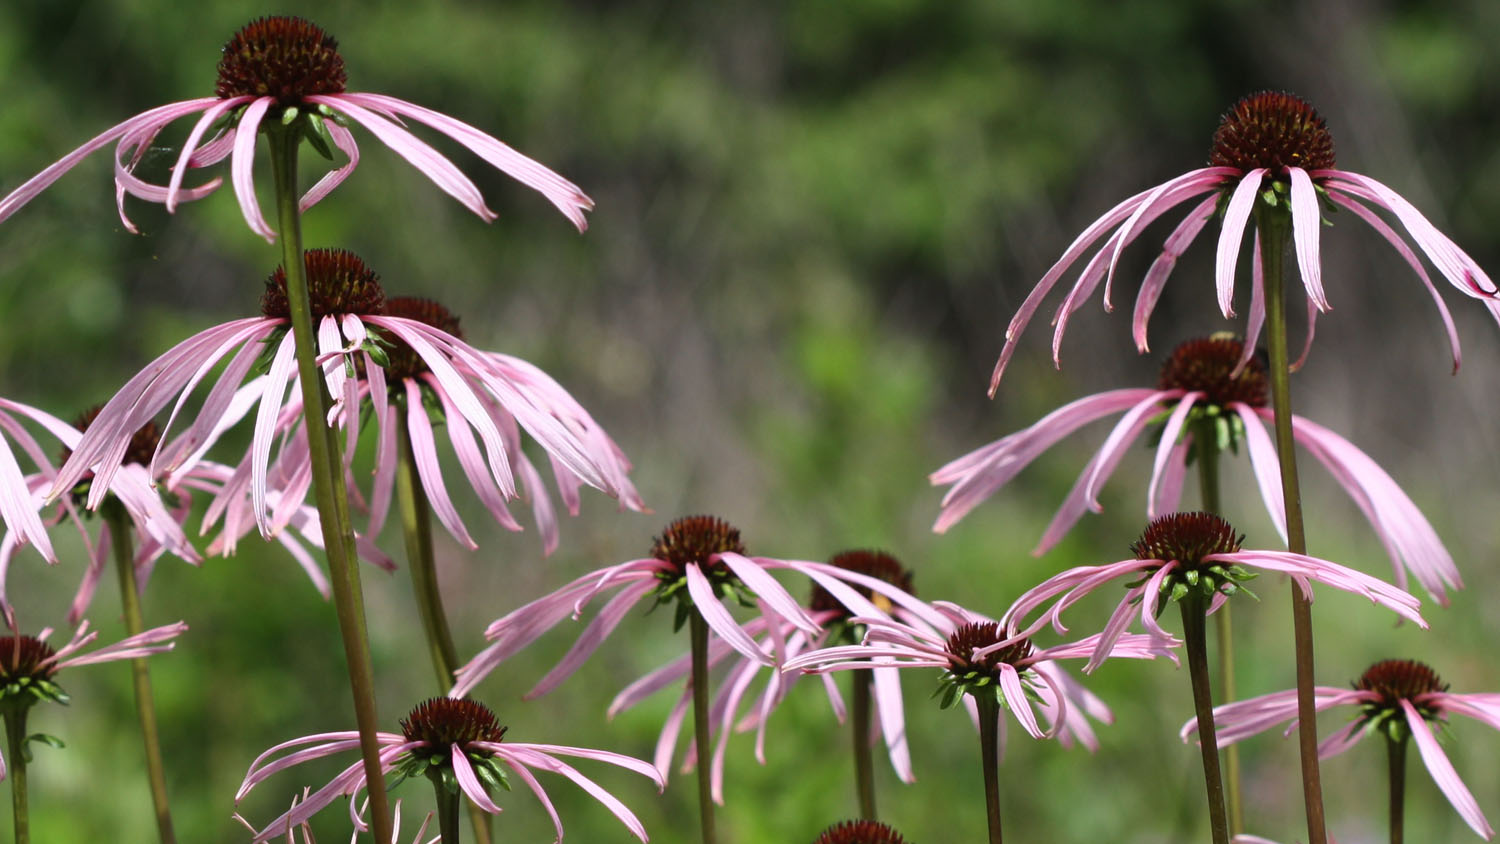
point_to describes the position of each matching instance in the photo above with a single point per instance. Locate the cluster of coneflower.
(331, 356)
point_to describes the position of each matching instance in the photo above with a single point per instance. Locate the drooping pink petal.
(767, 589)
(534, 756)
(718, 618)
(422, 156)
(1236, 216)
(592, 636)
(210, 114)
(1257, 317)
(158, 116)
(344, 140)
(563, 194)
(1015, 700)
(1171, 432)
(424, 455)
(1455, 265)
(265, 418)
(1266, 464)
(242, 163)
(1156, 277)
(1408, 536)
(1307, 219)
(1443, 774)
(1332, 574)
(1395, 240)
(469, 783)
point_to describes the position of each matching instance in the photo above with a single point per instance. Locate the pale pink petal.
(212, 113)
(469, 783)
(717, 618)
(1236, 216)
(1443, 774)
(1395, 240)
(976, 475)
(1307, 218)
(1171, 432)
(1167, 496)
(1015, 699)
(594, 635)
(1455, 265)
(1156, 277)
(432, 163)
(1266, 464)
(563, 194)
(156, 117)
(886, 688)
(344, 140)
(767, 589)
(240, 167)
(538, 759)
(265, 418)
(424, 455)
(1257, 317)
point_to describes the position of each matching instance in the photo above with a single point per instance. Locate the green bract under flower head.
(283, 57)
(1272, 130)
(1188, 538)
(338, 282)
(859, 832)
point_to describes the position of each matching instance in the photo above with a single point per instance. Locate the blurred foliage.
(813, 222)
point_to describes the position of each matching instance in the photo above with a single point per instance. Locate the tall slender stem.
(1396, 756)
(1273, 225)
(416, 529)
(864, 769)
(989, 749)
(447, 811)
(329, 492)
(15, 758)
(145, 704)
(1195, 636)
(698, 629)
(1207, 441)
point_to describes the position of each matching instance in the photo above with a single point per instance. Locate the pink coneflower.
(460, 746)
(1185, 553)
(1208, 386)
(285, 72)
(984, 658)
(1270, 148)
(990, 668)
(844, 574)
(29, 666)
(697, 564)
(1397, 699)
(481, 392)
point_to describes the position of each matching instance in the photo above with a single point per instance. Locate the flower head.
(29, 665)
(1213, 390)
(479, 392)
(700, 564)
(979, 656)
(285, 74)
(1184, 555)
(1396, 699)
(1272, 151)
(459, 744)
(859, 832)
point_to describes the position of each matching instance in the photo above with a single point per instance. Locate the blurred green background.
(814, 220)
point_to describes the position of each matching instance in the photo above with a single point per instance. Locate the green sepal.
(44, 738)
(1179, 590)
(376, 350)
(289, 115)
(317, 136)
(489, 772)
(329, 114)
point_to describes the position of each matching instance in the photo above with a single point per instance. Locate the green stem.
(328, 489)
(447, 811)
(1273, 225)
(989, 749)
(145, 705)
(864, 770)
(1195, 637)
(15, 759)
(1207, 442)
(1397, 758)
(698, 629)
(416, 529)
